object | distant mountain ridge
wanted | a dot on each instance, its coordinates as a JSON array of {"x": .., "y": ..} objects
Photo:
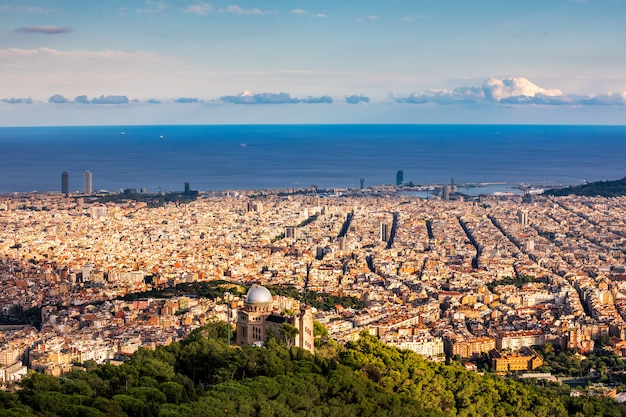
[{"x": 616, "y": 188}]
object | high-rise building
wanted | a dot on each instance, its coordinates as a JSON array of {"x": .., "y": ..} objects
[
  {"x": 522, "y": 217},
  {"x": 253, "y": 206},
  {"x": 445, "y": 192},
  {"x": 87, "y": 183},
  {"x": 65, "y": 183},
  {"x": 343, "y": 243},
  {"x": 399, "y": 177},
  {"x": 291, "y": 232},
  {"x": 384, "y": 232}
]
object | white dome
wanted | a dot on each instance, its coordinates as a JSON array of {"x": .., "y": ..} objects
[{"x": 258, "y": 294}]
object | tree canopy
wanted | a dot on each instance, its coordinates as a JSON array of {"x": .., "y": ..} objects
[
  {"x": 201, "y": 375},
  {"x": 600, "y": 188}
]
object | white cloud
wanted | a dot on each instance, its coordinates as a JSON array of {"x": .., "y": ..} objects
[
  {"x": 496, "y": 90},
  {"x": 83, "y": 99},
  {"x": 199, "y": 9},
  {"x": 458, "y": 95},
  {"x": 354, "y": 99},
  {"x": 110, "y": 100},
  {"x": 187, "y": 100},
  {"x": 603, "y": 99},
  {"x": 510, "y": 91},
  {"x": 14, "y": 100},
  {"x": 233, "y": 8},
  {"x": 248, "y": 97},
  {"x": 317, "y": 100},
  {"x": 144, "y": 75},
  {"x": 58, "y": 99},
  {"x": 302, "y": 12}
]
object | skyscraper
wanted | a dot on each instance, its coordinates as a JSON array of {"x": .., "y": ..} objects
[
  {"x": 384, "y": 232},
  {"x": 87, "y": 185},
  {"x": 65, "y": 183},
  {"x": 445, "y": 192},
  {"x": 399, "y": 177},
  {"x": 343, "y": 243},
  {"x": 291, "y": 232},
  {"x": 522, "y": 217}
]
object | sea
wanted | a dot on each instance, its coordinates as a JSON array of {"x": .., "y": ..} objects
[{"x": 480, "y": 158}]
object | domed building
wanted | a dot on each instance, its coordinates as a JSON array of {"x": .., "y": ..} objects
[
  {"x": 259, "y": 318},
  {"x": 259, "y": 298}
]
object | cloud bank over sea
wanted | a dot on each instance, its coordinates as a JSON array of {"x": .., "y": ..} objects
[{"x": 507, "y": 91}]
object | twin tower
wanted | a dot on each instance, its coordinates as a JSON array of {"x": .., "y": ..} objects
[{"x": 87, "y": 183}]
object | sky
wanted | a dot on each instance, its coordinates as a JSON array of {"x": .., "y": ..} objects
[{"x": 71, "y": 62}]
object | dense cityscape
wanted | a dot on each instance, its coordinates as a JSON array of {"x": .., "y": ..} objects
[
  {"x": 204, "y": 209},
  {"x": 486, "y": 280}
]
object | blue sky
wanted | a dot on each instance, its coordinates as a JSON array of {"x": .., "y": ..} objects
[{"x": 290, "y": 61}]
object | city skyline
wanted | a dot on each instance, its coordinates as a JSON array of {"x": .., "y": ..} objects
[{"x": 190, "y": 62}]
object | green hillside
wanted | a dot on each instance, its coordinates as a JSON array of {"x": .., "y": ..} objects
[
  {"x": 201, "y": 376},
  {"x": 615, "y": 188}
]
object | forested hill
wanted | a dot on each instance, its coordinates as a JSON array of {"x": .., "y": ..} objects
[
  {"x": 615, "y": 188},
  {"x": 202, "y": 376}
]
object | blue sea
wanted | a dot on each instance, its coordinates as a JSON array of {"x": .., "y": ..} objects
[{"x": 227, "y": 157}]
